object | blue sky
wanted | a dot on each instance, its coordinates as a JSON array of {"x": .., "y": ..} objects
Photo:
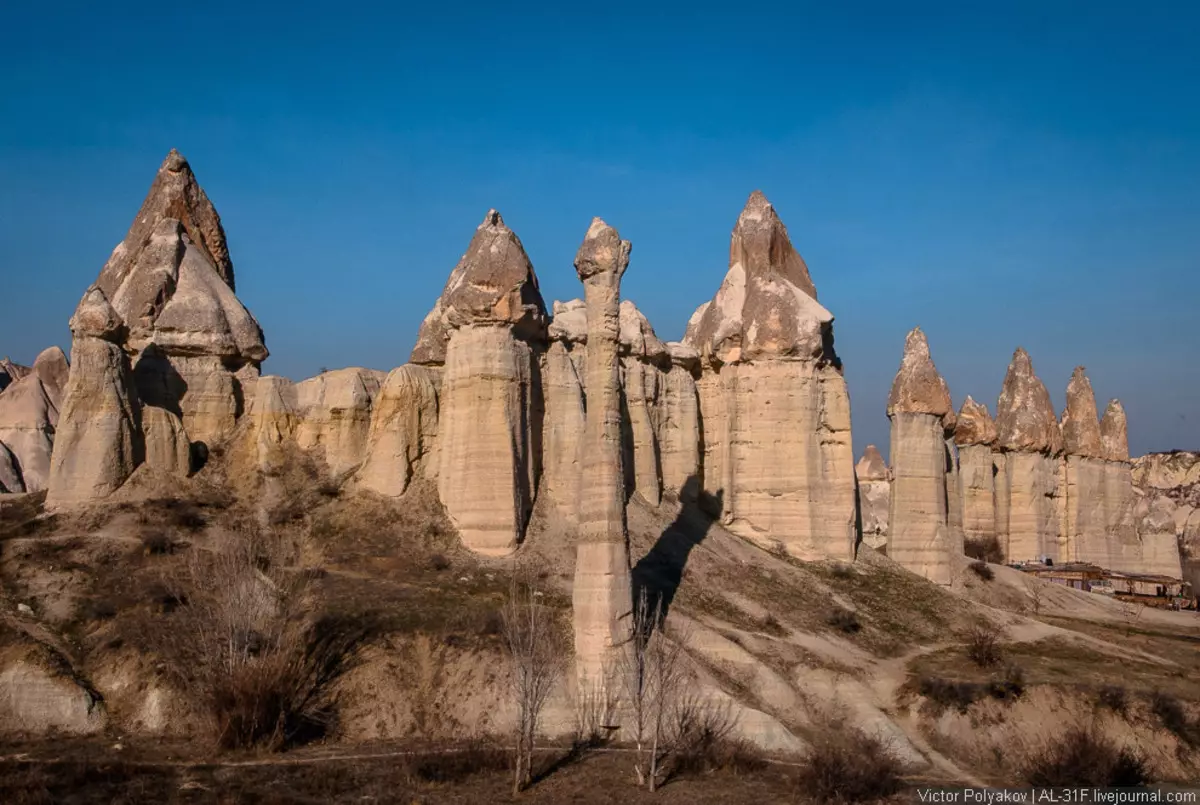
[{"x": 1022, "y": 176}]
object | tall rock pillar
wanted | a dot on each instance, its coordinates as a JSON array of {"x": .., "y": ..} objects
[
  {"x": 974, "y": 435},
  {"x": 1082, "y": 493},
  {"x": 99, "y": 440},
  {"x": 919, "y": 536},
  {"x": 602, "y": 595},
  {"x": 1029, "y": 437}
]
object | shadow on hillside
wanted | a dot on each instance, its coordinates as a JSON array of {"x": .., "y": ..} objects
[{"x": 660, "y": 571}]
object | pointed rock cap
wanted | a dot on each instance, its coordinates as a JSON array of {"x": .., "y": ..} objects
[
  {"x": 493, "y": 284},
  {"x": 637, "y": 337},
  {"x": 1114, "y": 432},
  {"x": 602, "y": 252},
  {"x": 570, "y": 321},
  {"x": 95, "y": 317},
  {"x": 174, "y": 193},
  {"x": 52, "y": 369},
  {"x": 918, "y": 388},
  {"x": 767, "y": 306},
  {"x": 871, "y": 467},
  {"x": 1080, "y": 423},
  {"x": 975, "y": 425},
  {"x": 1025, "y": 420}
]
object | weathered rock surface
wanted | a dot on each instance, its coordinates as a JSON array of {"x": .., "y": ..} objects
[
  {"x": 1082, "y": 487},
  {"x": 167, "y": 447},
  {"x": 192, "y": 341},
  {"x": 333, "y": 415},
  {"x": 1028, "y": 434},
  {"x": 10, "y": 473},
  {"x": 490, "y": 406},
  {"x": 1159, "y": 547},
  {"x": 98, "y": 443},
  {"x": 10, "y": 372},
  {"x": 918, "y": 518},
  {"x": 644, "y": 360},
  {"x": 271, "y": 420},
  {"x": 774, "y": 407},
  {"x": 974, "y": 425},
  {"x": 38, "y": 698},
  {"x": 404, "y": 422},
  {"x": 679, "y": 421},
  {"x": 874, "y": 496},
  {"x": 974, "y": 435},
  {"x": 1080, "y": 422},
  {"x": 601, "y": 596},
  {"x": 1171, "y": 482},
  {"x": 29, "y": 411}
]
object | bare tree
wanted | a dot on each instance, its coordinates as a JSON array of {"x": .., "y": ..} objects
[
  {"x": 653, "y": 675},
  {"x": 596, "y": 709},
  {"x": 537, "y": 658}
]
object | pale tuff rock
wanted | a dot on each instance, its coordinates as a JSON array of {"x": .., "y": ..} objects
[
  {"x": 333, "y": 413},
  {"x": 601, "y": 597},
  {"x": 175, "y": 193},
  {"x": 493, "y": 283},
  {"x": 10, "y": 474},
  {"x": 679, "y": 422},
  {"x": 1114, "y": 432},
  {"x": 563, "y": 425},
  {"x": 271, "y": 420},
  {"x": 976, "y": 483},
  {"x": 1025, "y": 419},
  {"x": 570, "y": 322},
  {"x": 774, "y": 406},
  {"x": 643, "y": 363},
  {"x": 919, "y": 532},
  {"x": 29, "y": 411},
  {"x": 38, "y": 697},
  {"x": 10, "y": 373},
  {"x": 767, "y": 306},
  {"x": 404, "y": 421},
  {"x": 1080, "y": 422},
  {"x": 1171, "y": 481},
  {"x": 489, "y": 331},
  {"x": 974, "y": 425},
  {"x": 1028, "y": 433},
  {"x": 98, "y": 442},
  {"x": 874, "y": 494},
  {"x": 167, "y": 447},
  {"x": 637, "y": 338},
  {"x": 192, "y": 341},
  {"x": 1159, "y": 548}
]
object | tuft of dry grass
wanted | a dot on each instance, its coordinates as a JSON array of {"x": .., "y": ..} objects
[
  {"x": 849, "y": 765},
  {"x": 982, "y": 570},
  {"x": 983, "y": 645},
  {"x": 1083, "y": 756}
]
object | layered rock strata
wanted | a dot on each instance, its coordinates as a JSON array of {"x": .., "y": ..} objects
[
  {"x": 1028, "y": 436},
  {"x": 1171, "y": 482},
  {"x": 778, "y": 466},
  {"x": 98, "y": 442},
  {"x": 874, "y": 496},
  {"x": 403, "y": 431},
  {"x": 601, "y": 596},
  {"x": 919, "y": 406},
  {"x": 1083, "y": 493},
  {"x": 192, "y": 342},
  {"x": 491, "y": 322},
  {"x": 974, "y": 437},
  {"x": 334, "y": 414}
]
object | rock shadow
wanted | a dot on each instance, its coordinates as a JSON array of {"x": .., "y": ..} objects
[{"x": 660, "y": 571}]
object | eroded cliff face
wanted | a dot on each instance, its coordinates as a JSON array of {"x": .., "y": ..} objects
[
  {"x": 1169, "y": 483},
  {"x": 29, "y": 413},
  {"x": 775, "y": 415}
]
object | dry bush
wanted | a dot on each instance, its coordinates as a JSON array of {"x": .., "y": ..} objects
[
  {"x": 844, "y": 620},
  {"x": 1114, "y": 698},
  {"x": 982, "y": 570},
  {"x": 1174, "y": 718},
  {"x": 243, "y": 639},
  {"x": 1083, "y": 756},
  {"x": 943, "y": 694},
  {"x": 771, "y": 625},
  {"x": 457, "y": 764},
  {"x": 702, "y": 739},
  {"x": 983, "y": 645},
  {"x": 842, "y": 571},
  {"x": 846, "y": 764},
  {"x": 985, "y": 550}
]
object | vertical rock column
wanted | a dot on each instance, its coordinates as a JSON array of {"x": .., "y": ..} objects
[
  {"x": 601, "y": 596},
  {"x": 918, "y": 530},
  {"x": 99, "y": 439},
  {"x": 1027, "y": 433},
  {"x": 974, "y": 435},
  {"x": 1082, "y": 491},
  {"x": 874, "y": 496},
  {"x": 679, "y": 424}
]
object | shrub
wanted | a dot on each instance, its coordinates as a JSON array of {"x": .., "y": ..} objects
[
  {"x": 985, "y": 550},
  {"x": 1085, "y": 757},
  {"x": 771, "y": 625},
  {"x": 947, "y": 693},
  {"x": 983, "y": 645},
  {"x": 157, "y": 543},
  {"x": 844, "y": 620},
  {"x": 982, "y": 570},
  {"x": 439, "y": 562},
  {"x": 1113, "y": 697},
  {"x": 848, "y": 765},
  {"x": 1173, "y": 717},
  {"x": 842, "y": 571}
]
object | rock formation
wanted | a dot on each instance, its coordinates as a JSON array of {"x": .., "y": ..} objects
[
  {"x": 98, "y": 442},
  {"x": 1029, "y": 439},
  {"x": 10, "y": 473},
  {"x": 10, "y": 372},
  {"x": 563, "y": 380},
  {"x": 773, "y": 402},
  {"x": 404, "y": 421},
  {"x": 643, "y": 361},
  {"x": 874, "y": 495},
  {"x": 679, "y": 421},
  {"x": 1137, "y": 533},
  {"x": 1171, "y": 481},
  {"x": 974, "y": 436},
  {"x": 333, "y": 415},
  {"x": 919, "y": 407},
  {"x": 1082, "y": 494},
  {"x": 192, "y": 343},
  {"x": 270, "y": 421},
  {"x": 601, "y": 597},
  {"x": 490, "y": 406},
  {"x": 29, "y": 411}
]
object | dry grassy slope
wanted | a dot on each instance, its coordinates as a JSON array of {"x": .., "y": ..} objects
[{"x": 781, "y": 641}]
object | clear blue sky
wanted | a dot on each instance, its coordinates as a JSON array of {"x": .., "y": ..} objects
[{"x": 1027, "y": 176}]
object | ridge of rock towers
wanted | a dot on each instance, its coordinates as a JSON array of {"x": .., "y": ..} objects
[{"x": 506, "y": 404}]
